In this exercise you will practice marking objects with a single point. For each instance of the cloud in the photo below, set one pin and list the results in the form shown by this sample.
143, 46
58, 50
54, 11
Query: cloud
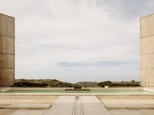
101, 64
54, 33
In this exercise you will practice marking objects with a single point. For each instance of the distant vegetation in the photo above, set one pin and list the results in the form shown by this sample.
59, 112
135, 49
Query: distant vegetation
41, 83
57, 83
119, 84
87, 84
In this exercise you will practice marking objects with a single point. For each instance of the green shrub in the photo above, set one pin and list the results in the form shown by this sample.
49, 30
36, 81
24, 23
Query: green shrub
76, 86
119, 84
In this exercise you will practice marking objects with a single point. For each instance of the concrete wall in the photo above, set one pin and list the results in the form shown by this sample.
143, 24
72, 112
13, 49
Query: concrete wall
147, 50
7, 50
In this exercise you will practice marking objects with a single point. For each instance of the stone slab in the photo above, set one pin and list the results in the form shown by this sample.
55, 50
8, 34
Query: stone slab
128, 104
147, 112
28, 106
3, 106
29, 112
63, 106
6, 111
93, 106
127, 112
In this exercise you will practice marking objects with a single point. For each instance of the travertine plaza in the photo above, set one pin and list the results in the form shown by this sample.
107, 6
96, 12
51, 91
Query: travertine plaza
54, 103
147, 50
7, 50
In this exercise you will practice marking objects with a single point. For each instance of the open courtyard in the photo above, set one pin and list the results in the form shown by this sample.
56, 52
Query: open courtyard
101, 54
77, 103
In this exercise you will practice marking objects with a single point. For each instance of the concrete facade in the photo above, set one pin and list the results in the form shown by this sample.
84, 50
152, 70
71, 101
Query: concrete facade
147, 50
7, 50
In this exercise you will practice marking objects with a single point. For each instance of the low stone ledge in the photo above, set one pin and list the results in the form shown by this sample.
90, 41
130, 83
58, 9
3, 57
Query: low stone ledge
26, 106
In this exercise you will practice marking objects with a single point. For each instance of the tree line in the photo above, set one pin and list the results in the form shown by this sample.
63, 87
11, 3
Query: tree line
57, 83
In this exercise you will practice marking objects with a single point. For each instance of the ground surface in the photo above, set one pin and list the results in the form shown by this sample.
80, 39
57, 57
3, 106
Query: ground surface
113, 112
89, 105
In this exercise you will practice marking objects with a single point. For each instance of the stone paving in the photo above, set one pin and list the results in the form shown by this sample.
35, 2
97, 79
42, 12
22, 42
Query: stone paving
6, 112
29, 106
127, 112
63, 106
128, 103
147, 111
29, 112
91, 106
25, 101
132, 112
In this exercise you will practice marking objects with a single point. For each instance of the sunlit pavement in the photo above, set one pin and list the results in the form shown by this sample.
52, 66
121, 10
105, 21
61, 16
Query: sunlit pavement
91, 105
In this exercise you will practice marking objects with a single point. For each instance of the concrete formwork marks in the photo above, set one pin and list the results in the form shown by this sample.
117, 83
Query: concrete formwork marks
7, 50
147, 50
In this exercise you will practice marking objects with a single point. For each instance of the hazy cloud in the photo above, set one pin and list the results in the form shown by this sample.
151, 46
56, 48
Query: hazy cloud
86, 34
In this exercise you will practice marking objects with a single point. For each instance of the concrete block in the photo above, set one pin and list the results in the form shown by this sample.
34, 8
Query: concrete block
10, 63
2, 77
147, 26
2, 44
147, 77
10, 45
10, 76
7, 50
2, 61
147, 50
3, 24
10, 27
147, 45
7, 77
147, 61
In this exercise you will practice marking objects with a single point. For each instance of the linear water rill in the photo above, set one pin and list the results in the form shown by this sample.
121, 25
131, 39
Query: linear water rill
78, 107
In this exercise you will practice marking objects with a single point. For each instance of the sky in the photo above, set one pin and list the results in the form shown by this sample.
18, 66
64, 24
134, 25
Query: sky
77, 40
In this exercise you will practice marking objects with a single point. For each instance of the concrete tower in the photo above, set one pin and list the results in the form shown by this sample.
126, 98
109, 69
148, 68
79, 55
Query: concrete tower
7, 50
147, 50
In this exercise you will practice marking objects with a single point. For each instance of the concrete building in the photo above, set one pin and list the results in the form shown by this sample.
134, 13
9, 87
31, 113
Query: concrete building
7, 50
147, 50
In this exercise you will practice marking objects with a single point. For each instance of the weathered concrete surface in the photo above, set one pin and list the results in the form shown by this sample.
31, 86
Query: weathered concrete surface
63, 106
93, 106
29, 112
28, 106
147, 112
6, 112
127, 112
128, 103
147, 50
29, 102
78, 109
15, 101
132, 112
7, 50
3, 106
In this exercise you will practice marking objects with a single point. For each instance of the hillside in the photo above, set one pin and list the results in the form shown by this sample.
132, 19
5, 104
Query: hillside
57, 83
41, 83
